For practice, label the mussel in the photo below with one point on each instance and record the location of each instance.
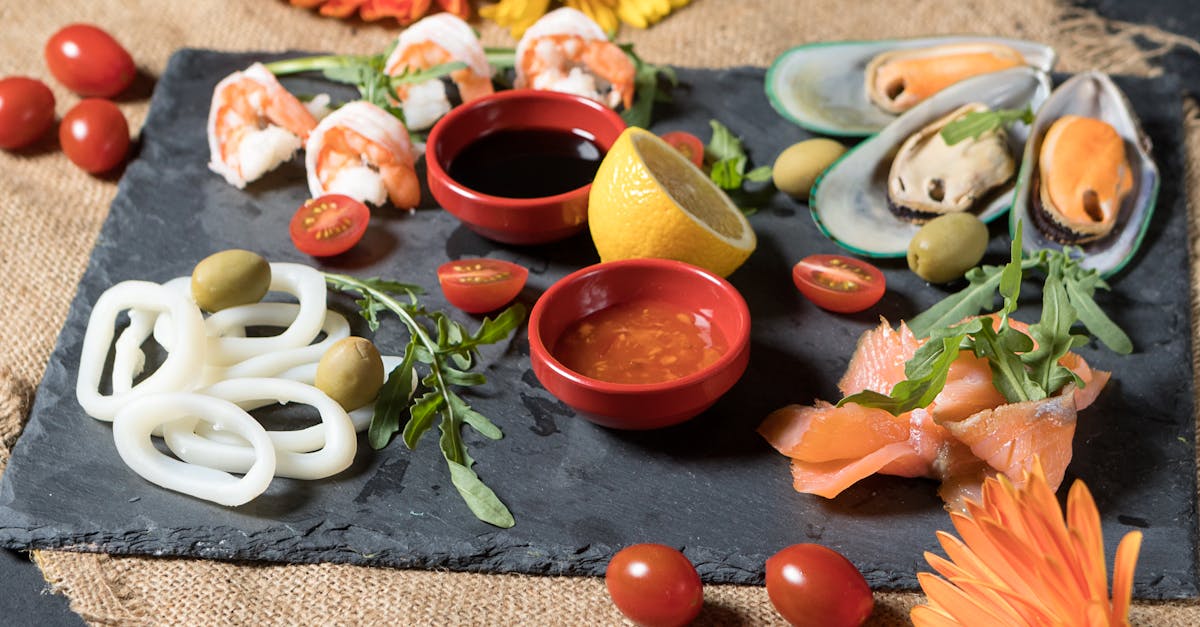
(929, 177)
(850, 201)
(1088, 178)
(823, 87)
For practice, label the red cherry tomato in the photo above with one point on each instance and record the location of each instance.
(837, 283)
(688, 144)
(95, 135)
(329, 225)
(654, 585)
(89, 62)
(813, 585)
(481, 285)
(26, 111)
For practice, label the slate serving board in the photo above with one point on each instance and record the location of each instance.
(580, 492)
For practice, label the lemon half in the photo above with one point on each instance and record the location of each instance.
(648, 200)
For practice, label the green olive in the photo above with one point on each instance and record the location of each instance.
(797, 168)
(230, 278)
(947, 246)
(351, 372)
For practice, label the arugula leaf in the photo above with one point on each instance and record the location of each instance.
(1096, 321)
(646, 80)
(727, 173)
(446, 348)
(723, 145)
(1008, 371)
(976, 123)
(977, 296)
(761, 174)
(925, 377)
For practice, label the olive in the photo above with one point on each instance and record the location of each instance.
(797, 167)
(351, 372)
(230, 278)
(947, 246)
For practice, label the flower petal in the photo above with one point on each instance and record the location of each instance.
(1123, 565)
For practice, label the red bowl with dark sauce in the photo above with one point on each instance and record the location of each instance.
(619, 284)
(514, 166)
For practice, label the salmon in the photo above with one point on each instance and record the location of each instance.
(968, 433)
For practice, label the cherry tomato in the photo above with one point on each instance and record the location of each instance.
(329, 225)
(481, 285)
(813, 585)
(837, 283)
(654, 585)
(95, 135)
(26, 111)
(688, 144)
(89, 62)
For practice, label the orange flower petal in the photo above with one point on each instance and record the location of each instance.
(926, 616)
(1084, 521)
(965, 609)
(340, 8)
(457, 7)
(1123, 565)
(308, 4)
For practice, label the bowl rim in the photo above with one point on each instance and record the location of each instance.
(738, 343)
(434, 167)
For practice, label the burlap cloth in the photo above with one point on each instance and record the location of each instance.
(50, 213)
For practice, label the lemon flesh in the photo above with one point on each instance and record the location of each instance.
(648, 200)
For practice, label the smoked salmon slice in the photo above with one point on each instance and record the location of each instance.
(968, 432)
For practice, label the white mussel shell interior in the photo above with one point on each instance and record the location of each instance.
(821, 86)
(849, 201)
(1094, 95)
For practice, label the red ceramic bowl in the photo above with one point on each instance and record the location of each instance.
(516, 220)
(639, 406)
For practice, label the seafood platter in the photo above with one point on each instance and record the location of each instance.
(460, 311)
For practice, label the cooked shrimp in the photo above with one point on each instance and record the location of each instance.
(438, 39)
(363, 152)
(254, 125)
(566, 51)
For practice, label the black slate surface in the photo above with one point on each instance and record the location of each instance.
(580, 492)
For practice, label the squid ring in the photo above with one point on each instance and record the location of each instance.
(138, 419)
(314, 453)
(272, 363)
(178, 373)
(303, 282)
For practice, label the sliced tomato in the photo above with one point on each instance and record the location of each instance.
(329, 225)
(837, 283)
(481, 285)
(688, 144)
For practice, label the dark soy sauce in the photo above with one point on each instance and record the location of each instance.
(527, 163)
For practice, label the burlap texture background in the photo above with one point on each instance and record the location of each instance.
(50, 213)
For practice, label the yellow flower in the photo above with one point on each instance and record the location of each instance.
(602, 12)
(516, 15)
(643, 13)
(1020, 563)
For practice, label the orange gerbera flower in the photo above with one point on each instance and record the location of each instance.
(404, 11)
(1020, 563)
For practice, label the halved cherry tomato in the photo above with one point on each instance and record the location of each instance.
(837, 283)
(94, 135)
(688, 144)
(89, 62)
(481, 285)
(810, 584)
(654, 585)
(26, 111)
(329, 225)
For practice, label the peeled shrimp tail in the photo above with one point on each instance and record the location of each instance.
(363, 152)
(438, 39)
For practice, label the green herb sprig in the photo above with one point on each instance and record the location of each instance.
(976, 123)
(1019, 371)
(728, 161)
(448, 352)
(651, 84)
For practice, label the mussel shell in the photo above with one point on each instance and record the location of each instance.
(849, 201)
(1092, 94)
(821, 86)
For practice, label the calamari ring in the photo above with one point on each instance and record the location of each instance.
(301, 281)
(272, 363)
(178, 373)
(128, 359)
(138, 419)
(335, 441)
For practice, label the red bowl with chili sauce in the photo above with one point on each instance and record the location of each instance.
(516, 166)
(631, 322)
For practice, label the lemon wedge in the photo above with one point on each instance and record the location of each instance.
(648, 200)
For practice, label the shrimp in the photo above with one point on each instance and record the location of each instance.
(566, 51)
(254, 125)
(438, 39)
(363, 152)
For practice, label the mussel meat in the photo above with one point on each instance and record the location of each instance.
(899, 79)
(929, 177)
